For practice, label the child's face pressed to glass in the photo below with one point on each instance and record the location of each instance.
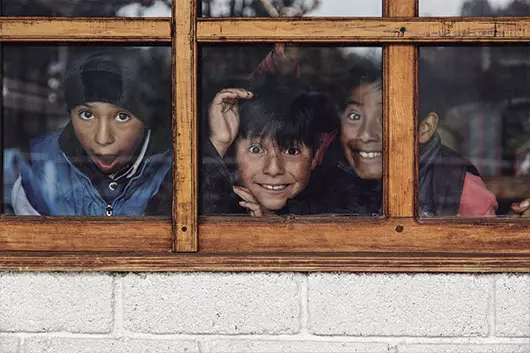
(361, 131)
(109, 134)
(272, 174)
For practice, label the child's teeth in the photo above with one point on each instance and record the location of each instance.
(369, 154)
(274, 187)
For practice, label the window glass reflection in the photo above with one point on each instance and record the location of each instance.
(291, 130)
(87, 131)
(481, 101)
(474, 8)
(306, 8)
(87, 8)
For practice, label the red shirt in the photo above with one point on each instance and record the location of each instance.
(476, 199)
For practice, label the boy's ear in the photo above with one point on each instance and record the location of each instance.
(428, 127)
(316, 158)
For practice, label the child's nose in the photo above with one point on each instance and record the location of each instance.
(104, 135)
(274, 165)
(371, 131)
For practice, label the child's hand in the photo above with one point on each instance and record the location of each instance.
(287, 57)
(520, 209)
(223, 118)
(249, 202)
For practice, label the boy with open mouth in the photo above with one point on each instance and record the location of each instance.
(113, 158)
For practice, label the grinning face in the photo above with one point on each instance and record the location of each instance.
(361, 131)
(273, 175)
(108, 134)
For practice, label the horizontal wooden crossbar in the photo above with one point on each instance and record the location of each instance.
(366, 30)
(151, 234)
(348, 235)
(365, 262)
(257, 30)
(60, 29)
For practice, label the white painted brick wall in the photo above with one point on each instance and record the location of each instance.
(9, 344)
(264, 313)
(43, 302)
(400, 305)
(512, 312)
(205, 303)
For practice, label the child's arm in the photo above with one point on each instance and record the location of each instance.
(217, 196)
(284, 58)
(476, 200)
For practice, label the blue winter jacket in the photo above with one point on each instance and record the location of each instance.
(55, 186)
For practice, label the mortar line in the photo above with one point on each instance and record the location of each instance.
(304, 303)
(492, 314)
(528, 280)
(21, 348)
(204, 346)
(280, 337)
(118, 329)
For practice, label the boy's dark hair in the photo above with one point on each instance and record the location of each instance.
(365, 70)
(121, 77)
(283, 110)
(429, 89)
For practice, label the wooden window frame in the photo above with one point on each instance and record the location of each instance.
(398, 242)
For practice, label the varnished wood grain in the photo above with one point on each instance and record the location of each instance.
(400, 155)
(400, 8)
(185, 127)
(366, 30)
(68, 234)
(327, 244)
(256, 30)
(365, 262)
(42, 29)
(346, 235)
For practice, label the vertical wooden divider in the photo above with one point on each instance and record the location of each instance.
(400, 65)
(185, 160)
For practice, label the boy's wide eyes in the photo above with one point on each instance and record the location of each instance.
(86, 115)
(292, 151)
(255, 149)
(354, 116)
(123, 117)
(120, 117)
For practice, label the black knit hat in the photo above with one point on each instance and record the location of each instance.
(110, 77)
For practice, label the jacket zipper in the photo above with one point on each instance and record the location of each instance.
(109, 210)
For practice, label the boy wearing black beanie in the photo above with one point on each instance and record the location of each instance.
(111, 158)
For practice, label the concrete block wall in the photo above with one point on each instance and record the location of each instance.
(264, 312)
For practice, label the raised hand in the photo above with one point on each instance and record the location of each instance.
(223, 118)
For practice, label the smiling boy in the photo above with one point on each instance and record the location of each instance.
(273, 134)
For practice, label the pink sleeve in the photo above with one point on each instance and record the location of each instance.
(476, 199)
(267, 66)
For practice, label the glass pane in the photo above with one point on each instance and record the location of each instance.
(291, 130)
(87, 8)
(306, 8)
(87, 130)
(474, 134)
(474, 8)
